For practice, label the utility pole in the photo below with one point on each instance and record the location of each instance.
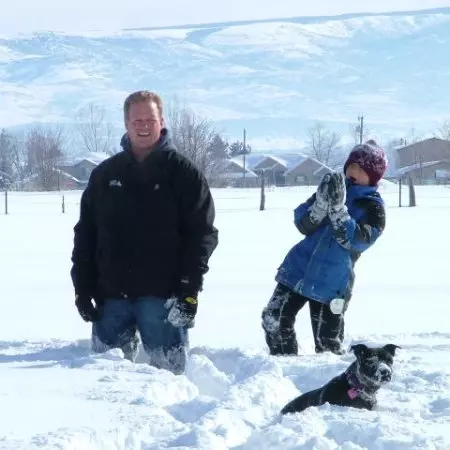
(361, 128)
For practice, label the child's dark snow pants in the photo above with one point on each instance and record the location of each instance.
(278, 320)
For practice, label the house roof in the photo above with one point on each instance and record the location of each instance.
(432, 139)
(290, 160)
(94, 158)
(405, 170)
(251, 160)
(67, 175)
(59, 171)
(320, 166)
(287, 160)
(248, 173)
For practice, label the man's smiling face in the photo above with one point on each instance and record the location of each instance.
(144, 125)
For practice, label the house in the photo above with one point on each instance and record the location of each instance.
(308, 172)
(235, 175)
(425, 161)
(56, 180)
(275, 166)
(80, 167)
(249, 161)
(286, 169)
(431, 172)
(428, 150)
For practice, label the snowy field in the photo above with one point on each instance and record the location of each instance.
(55, 394)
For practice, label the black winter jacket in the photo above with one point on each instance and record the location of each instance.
(144, 228)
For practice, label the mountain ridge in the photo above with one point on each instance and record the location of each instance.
(297, 19)
(274, 77)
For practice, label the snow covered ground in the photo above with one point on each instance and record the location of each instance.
(55, 394)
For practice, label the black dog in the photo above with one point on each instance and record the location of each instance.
(357, 386)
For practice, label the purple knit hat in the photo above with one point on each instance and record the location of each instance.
(371, 158)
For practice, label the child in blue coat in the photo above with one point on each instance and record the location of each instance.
(341, 220)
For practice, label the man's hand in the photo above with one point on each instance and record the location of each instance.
(182, 311)
(87, 311)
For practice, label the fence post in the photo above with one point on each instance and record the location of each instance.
(400, 192)
(262, 204)
(6, 202)
(63, 205)
(412, 192)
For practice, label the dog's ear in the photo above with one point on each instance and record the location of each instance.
(359, 349)
(391, 348)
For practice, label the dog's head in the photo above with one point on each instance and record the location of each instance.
(374, 364)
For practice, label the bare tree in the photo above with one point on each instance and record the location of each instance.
(444, 131)
(94, 129)
(44, 148)
(7, 144)
(19, 159)
(237, 148)
(324, 145)
(412, 137)
(12, 158)
(355, 133)
(196, 138)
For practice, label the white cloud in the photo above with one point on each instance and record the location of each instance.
(54, 15)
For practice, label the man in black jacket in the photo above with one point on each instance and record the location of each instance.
(143, 241)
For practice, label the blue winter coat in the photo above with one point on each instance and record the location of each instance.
(320, 266)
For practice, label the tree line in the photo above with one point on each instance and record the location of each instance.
(38, 153)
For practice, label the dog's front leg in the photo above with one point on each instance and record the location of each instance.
(311, 398)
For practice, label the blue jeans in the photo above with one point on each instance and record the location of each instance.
(122, 319)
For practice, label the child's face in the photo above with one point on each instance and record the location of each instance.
(357, 175)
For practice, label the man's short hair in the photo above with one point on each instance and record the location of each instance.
(142, 96)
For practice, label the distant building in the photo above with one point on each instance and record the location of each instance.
(235, 175)
(80, 167)
(431, 172)
(426, 162)
(285, 169)
(55, 180)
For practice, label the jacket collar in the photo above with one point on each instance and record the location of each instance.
(355, 191)
(164, 143)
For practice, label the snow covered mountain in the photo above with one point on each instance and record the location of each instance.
(273, 77)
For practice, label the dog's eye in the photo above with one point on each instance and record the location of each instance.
(388, 358)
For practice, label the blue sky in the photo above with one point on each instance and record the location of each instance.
(57, 15)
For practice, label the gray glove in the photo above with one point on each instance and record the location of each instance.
(337, 193)
(319, 208)
(182, 311)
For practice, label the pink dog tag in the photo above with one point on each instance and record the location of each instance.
(352, 393)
